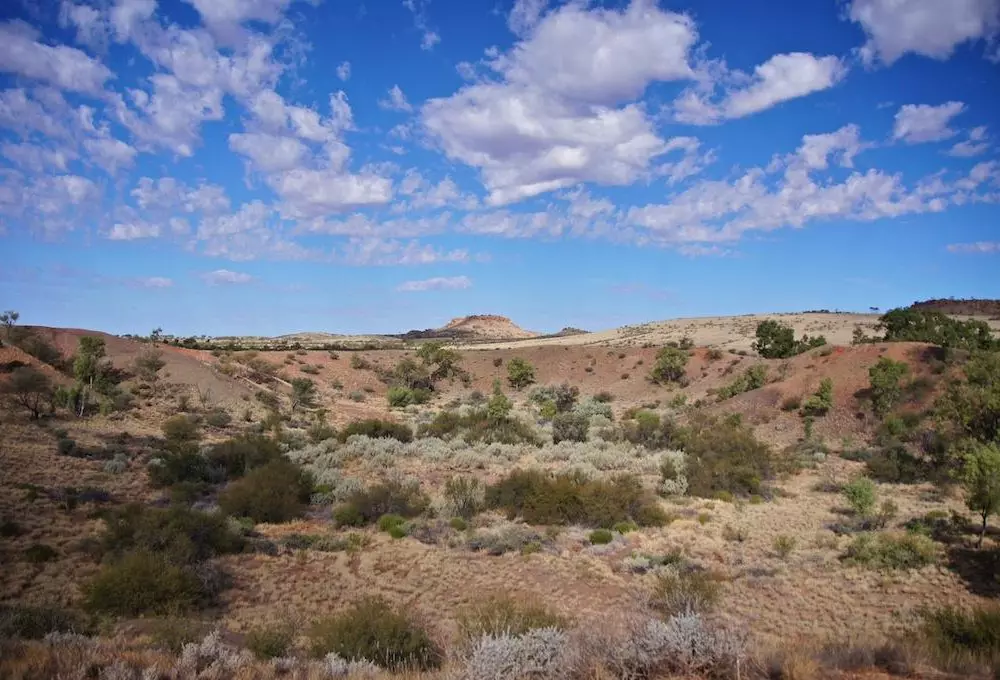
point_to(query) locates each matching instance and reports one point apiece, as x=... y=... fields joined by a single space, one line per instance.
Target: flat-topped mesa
x=487 y=318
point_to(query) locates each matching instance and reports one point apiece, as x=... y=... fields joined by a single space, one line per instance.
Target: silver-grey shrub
x=542 y=653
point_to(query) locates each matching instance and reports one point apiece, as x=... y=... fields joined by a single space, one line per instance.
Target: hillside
x=956 y=307
x=473 y=328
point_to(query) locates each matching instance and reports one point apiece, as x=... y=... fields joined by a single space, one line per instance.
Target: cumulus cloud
x=153 y=282
x=381 y=252
x=428 y=37
x=395 y=100
x=978 y=248
x=22 y=54
x=931 y=28
x=976 y=143
x=436 y=283
x=224 y=277
x=525 y=15
x=130 y=231
x=919 y=123
x=344 y=70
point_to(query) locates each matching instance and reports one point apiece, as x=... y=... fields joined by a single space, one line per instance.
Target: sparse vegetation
x=670 y=364
x=885 y=377
x=819 y=403
x=892 y=551
x=376 y=429
x=753 y=378
x=276 y=492
x=520 y=373
x=777 y=341
x=29 y=389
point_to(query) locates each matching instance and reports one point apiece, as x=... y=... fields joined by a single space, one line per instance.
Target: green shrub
x=541 y=498
x=218 y=418
x=398 y=531
x=753 y=378
x=276 y=492
x=168 y=469
x=520 y=373
x=600 y=537
x=956 y=635
x=563 y=397
x=625 y=527
x=724 y=455
x=377 y=429
x=359 y=363
x=860 y=495
x=242 y=454
x=569 y=427
x=896 y=465
x=174 y=632
x=464 y=496
x=181 y=534
x=143 y=583
x=270 y=642
x=821 y=402
x=647 y=429
x=921 y=325
x=389 y=498
x=791 y=403
x=892 y=551
x=373 y=631
x=884 y=378
x=681 y=590
x=386 y=522
x=33 y=623
x=775 y=340
x=405 y=396
x=503 y=615
x=784 y=545
x=66 y=447
x=670 y=364
x=39 y=553
x=458 y=524
x=479 y=426
x=180 y=430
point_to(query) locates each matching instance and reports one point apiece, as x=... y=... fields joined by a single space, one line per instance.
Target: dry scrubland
x=740 y=568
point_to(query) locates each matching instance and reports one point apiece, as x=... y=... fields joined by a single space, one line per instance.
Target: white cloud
x=429 y=38
x=976 y=144
x=48 y=204
x=66 y=67
x=315 y=193
x=979 y=247
x=381 y=252
x=110 y=153
x=815 y=150
x=919 y=123
x=525 y=15
x=169 y=194
x=269 y=153
x=932 y=28
x=225 y=276
x=131 y=231
x=344 y=70
x=154 y=282
x=38 y=158
x=396 y=100
x=92 y=27
x=437 y=283
x=224 y=17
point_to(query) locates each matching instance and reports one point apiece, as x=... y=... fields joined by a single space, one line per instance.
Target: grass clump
x=892 y=551
x=540 y=498
x=276 y=492
x=680 y=590
x=392 y=497
x=270 y=642
x=601 y=537
x=784 y=545
x=371 y=630
x=378 y=429
x=33 y=623
x=503 y=615
x=959 y=637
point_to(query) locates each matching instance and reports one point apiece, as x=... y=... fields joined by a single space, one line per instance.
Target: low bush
x=242 y=454
x=647 y=429
x=819 y=403
x=670 y=365
x=896 y=465
x=276 y=492
x=144 y=583
x=563 y=397
x=464 y=496
x=784 y=545
x=182 y=535
x=600 y=537
x=541 y=498
x=39 y=553
x=569 y=427
x=892 y=551
x=724 y=455
x=218 y=418
x=371 y=630
x=860 y=495
x=400 y=397
x=392 y=497
x=505 y=538
x=753 y=378
x=377 y=429
x=34 y=623
x=270 y=642
x=680 y=590
x=958 y=635
x=502 y=614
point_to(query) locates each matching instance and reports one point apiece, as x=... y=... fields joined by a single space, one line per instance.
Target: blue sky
x=271 y=166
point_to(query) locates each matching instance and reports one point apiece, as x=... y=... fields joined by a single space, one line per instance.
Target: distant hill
x=970 y=307
x=477 y=327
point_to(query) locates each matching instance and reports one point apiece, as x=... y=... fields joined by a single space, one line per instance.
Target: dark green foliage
x=887 y=551
x=502 y=615
x=955 y=633
x=144 y=583
x=563 y=397
x=650 y=430
x=541 y=498
x=388 y=498
x=478 y=426
x=971 y=409
x=168 y=469
x=753 y=378
x=376 y=429
x=66 y=447
x=32 y=343
x=896 y=465
x=372 y=630
x=601 y=536
x=173 y=633
x=405 y=396
x=724 y=455
x=686 y=590
x=444 y=425
x=919 y=325
x=148 y=364
x=775 y=340
x=670 y=364
x=885 y=377
x=181 y=431
x=819 y=403
x=570 y=427
x=270 y=642
x=270 y=400
x=520 y=373
x=303 y=393
x=40 y=553
x=239 y=455
x=33 y=623
x=442 y=363
x=276 y=492
x=181 y=535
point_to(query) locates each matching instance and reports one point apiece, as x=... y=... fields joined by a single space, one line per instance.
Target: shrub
x=884 y=378
x=169 y=469
x=218 y=418
x=270 y=400
x=502 y=614
x=920 y=325
x=569 y=427
x=404 y=396
x=895 y=464
x=753 y=378
x=520 y=373
x=392 y=497
x=303 y=393
x=563 y=397
x=464 y=496
x=143 y=583
x=270 y=642
x=544 y=653
x=775 y=340
x=28 y=388
x=625 y=527
x=860 y=495
x=955 y=634
x=66 y=447
x=240 y=455
x=370 y=630
x=604 y=397
x=980 y=476
x=39 y=553
x=821 y=402
x=376 y=429
x=724 y=455
x=685 y=590
x=180 y=430
x=670 y=364
x=540 y=498
x=458 y=524
x=791 y=403
x=173 y=633
x=647 y=429
x=359 y=363
x=892 y=551
x=784 y=545
x=181 y=534
x=600 y=537
x=276 y=492
x=34 y=623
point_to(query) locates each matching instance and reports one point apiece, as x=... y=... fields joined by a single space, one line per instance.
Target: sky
x=274 y=166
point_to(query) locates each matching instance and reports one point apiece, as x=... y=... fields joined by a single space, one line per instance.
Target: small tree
x=148 y=364
x=980 y=476
x=8 y=319
x=520 y=373
x=441 y=362
x=774 y=340
x=91 y=369
x=821 y=402
x=30 y=389
x=670 y=364
x=860 y=495
x=499 y=406
x=885 y=377
x=156 y=335
x=303 y=393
